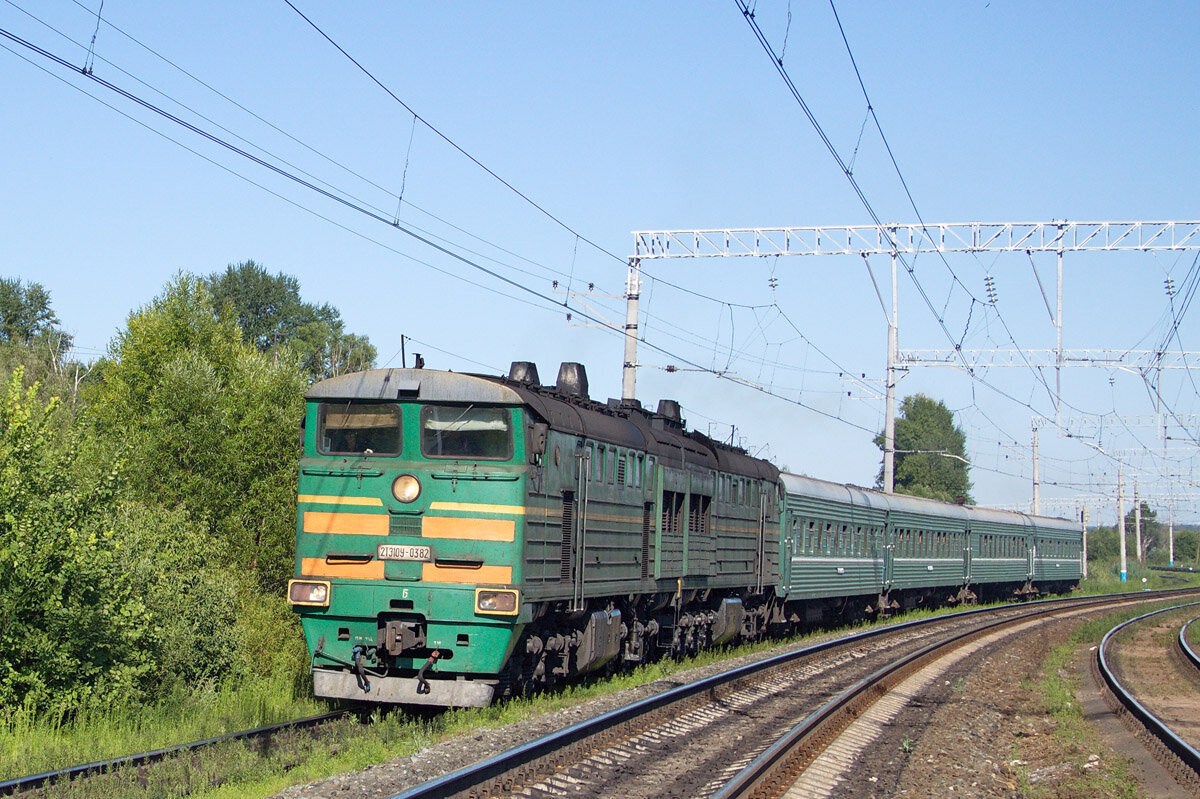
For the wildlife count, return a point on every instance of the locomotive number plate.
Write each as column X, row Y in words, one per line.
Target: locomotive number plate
column 403, row 552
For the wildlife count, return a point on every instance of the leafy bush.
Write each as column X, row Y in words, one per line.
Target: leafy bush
column 73, row 628
column 210, row 424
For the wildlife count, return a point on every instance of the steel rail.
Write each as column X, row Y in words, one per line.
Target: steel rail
column 9, row 787
column 773, row 771
column 1182, row 752
column 514, row 766
column 1186, row 648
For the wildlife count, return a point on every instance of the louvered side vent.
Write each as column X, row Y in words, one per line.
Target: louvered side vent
column 647, row 532
column 568, row 534
column 620, row 469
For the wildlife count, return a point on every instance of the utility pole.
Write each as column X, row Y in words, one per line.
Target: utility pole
column 1058, row 327
column 632, row 290
column 1037, row 505
column 1171, row 533
column 1121, row 521
column 1137, row 522
column 889, row 424
column 1084, row 517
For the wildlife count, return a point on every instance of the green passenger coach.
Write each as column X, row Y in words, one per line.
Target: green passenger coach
column 461, row 537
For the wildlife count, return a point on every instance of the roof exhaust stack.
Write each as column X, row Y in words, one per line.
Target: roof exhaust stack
column 670, row 409
column 524, row 372
column 572, row 380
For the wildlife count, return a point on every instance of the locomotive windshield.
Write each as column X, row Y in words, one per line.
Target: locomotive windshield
column 449, row 431
column 358, row 429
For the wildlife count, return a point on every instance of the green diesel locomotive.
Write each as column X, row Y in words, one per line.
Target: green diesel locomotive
column 463, row 536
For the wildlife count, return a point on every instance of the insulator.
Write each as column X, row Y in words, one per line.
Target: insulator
column 990, row 285
column 1170, row 286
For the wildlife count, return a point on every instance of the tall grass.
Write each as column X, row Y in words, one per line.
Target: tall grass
column 1104, row 577
column 31, row 743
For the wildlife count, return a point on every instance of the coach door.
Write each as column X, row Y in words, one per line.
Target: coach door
column 889, row 551
column 967, row 554
column 575, row 512
column 760, row 555
column 1031, row 554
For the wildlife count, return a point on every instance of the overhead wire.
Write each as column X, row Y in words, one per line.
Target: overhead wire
column 1037, row 372
column 351, row 171
column 913, row 203
column 555, row 307
column 324, row 156
column 445, row 137
column 283, row 173
column 265, row 188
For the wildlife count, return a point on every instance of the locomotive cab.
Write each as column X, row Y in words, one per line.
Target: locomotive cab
column 409, row 526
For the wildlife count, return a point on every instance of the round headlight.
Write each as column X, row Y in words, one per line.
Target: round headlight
column 406, row 488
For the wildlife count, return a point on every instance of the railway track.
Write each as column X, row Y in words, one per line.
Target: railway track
column 84, row 770
column 735, row 734
column 606, row 754
column 1167, row 729
column 1185, row 649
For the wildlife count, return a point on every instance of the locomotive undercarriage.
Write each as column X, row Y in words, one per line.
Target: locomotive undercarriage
column 619, row 633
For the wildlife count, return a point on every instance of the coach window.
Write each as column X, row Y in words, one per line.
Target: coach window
column 358, row 429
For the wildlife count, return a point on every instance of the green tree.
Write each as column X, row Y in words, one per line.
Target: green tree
column 25, row 313
column 31, row 338
column 1152, row 534
column 74, row 628
column 209, row 423
column 1104, row 544
column 930, row 459
column 274, row 319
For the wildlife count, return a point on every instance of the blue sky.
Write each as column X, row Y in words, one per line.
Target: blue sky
column 623, row 117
